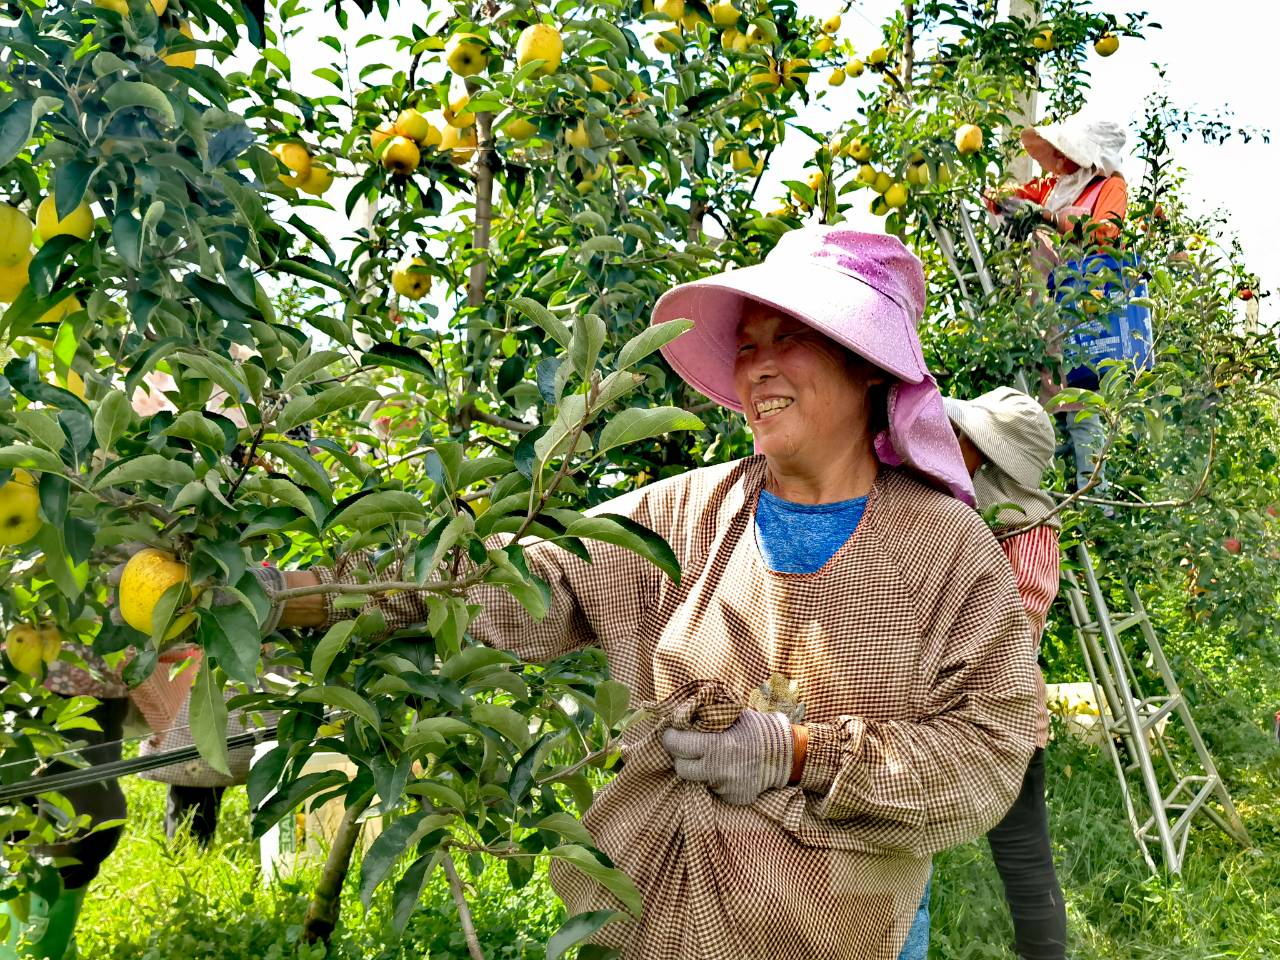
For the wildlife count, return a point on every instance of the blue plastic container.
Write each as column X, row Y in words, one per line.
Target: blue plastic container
column 1122, row 332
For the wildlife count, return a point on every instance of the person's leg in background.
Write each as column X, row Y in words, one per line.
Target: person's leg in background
column 1088, row 437
column 48, row 929
column 1024, row 858
column 200, row 804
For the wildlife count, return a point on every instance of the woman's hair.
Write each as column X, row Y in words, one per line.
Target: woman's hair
column 877, row 392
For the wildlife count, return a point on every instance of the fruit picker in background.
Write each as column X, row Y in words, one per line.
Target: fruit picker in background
column 195, row 788
column 841, row 684
column 1082, row 199
column 159, row 704
column 1008, row 444
column 74, row 669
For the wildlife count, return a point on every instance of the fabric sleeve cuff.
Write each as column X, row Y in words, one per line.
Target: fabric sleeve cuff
column 326, row 575
column 829, row 749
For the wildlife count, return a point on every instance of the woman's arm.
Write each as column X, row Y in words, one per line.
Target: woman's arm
column 919, row 786
column 589, row 602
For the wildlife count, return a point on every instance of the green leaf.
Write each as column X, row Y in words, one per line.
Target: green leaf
column 408, row 890
column 576, row 929
column 307, row 470
column 510, row 723
column 218, row 369
column 330, row 645
column 40, row 425
column 281, row 490
column 435, row 728
column 625, row 532
column 135, row 93
column 638, row 423
column 554, row 442
column 650, row 339
column 568, row 826
column 231, row 635
column 149, row 466
column 458, row 527
column 615, row 386
column 386, row 849
column 194, row 426
column 602, row 245
column 462, row 665
column 112, row 419
column 588, row 338
column 208, row 717
column 33, row 458
column 308, row 367
column 343, row 699
column 391, row 845
column 378, row 509
column 316, row 271
column 544, row 318
column 300, row 410
column 612, row 700
column 394, row 355
column 611, row 878
column 18, row 124
column 287, row 799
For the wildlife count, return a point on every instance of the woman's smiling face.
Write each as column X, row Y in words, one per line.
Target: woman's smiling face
column 801, row 391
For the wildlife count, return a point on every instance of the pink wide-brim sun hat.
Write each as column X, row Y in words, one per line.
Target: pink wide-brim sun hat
column 864, row 291
column 805, row 277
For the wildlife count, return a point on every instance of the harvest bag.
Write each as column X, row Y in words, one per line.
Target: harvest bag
column 1123, row 331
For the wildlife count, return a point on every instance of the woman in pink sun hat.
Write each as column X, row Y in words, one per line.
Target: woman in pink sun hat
column 840, row 684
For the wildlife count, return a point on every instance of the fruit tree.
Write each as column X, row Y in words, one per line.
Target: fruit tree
column 407, row 309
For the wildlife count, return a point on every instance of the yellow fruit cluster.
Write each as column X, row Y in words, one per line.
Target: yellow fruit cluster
column 16, row 234
column 304, row 174
column 28, row 647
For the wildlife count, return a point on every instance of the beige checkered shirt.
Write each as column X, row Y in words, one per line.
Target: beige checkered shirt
column 912, row 655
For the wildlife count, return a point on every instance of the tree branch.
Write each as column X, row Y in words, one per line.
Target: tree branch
column 493, row 420
column 464, row 911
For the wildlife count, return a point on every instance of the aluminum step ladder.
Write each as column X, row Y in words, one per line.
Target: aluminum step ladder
column 967, row 265
column 1161, row 800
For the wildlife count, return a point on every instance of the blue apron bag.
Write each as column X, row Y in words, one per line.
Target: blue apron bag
column 1119, row 330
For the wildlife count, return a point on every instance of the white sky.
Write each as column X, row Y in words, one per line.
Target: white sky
column 1223, row 61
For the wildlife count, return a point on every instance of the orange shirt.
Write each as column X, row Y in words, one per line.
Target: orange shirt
column 1108, row 210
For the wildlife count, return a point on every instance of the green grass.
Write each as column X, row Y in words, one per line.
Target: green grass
column 157, row 900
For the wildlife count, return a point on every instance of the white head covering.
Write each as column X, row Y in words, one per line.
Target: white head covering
column 1015, row 436
column 1095, row 145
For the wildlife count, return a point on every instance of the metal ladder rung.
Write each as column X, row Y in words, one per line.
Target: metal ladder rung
column 1127, row 621
column 1147, row 716
column 1149, row 720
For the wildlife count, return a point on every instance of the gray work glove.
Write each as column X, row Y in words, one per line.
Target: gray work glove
column 271, row 579
column 751, row 756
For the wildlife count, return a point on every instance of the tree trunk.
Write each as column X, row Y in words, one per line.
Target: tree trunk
column 1024, row 113
column 484, row 210
column 909, row 45
column 322, row 913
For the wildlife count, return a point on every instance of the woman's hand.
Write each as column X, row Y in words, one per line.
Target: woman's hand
column 740, row 763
